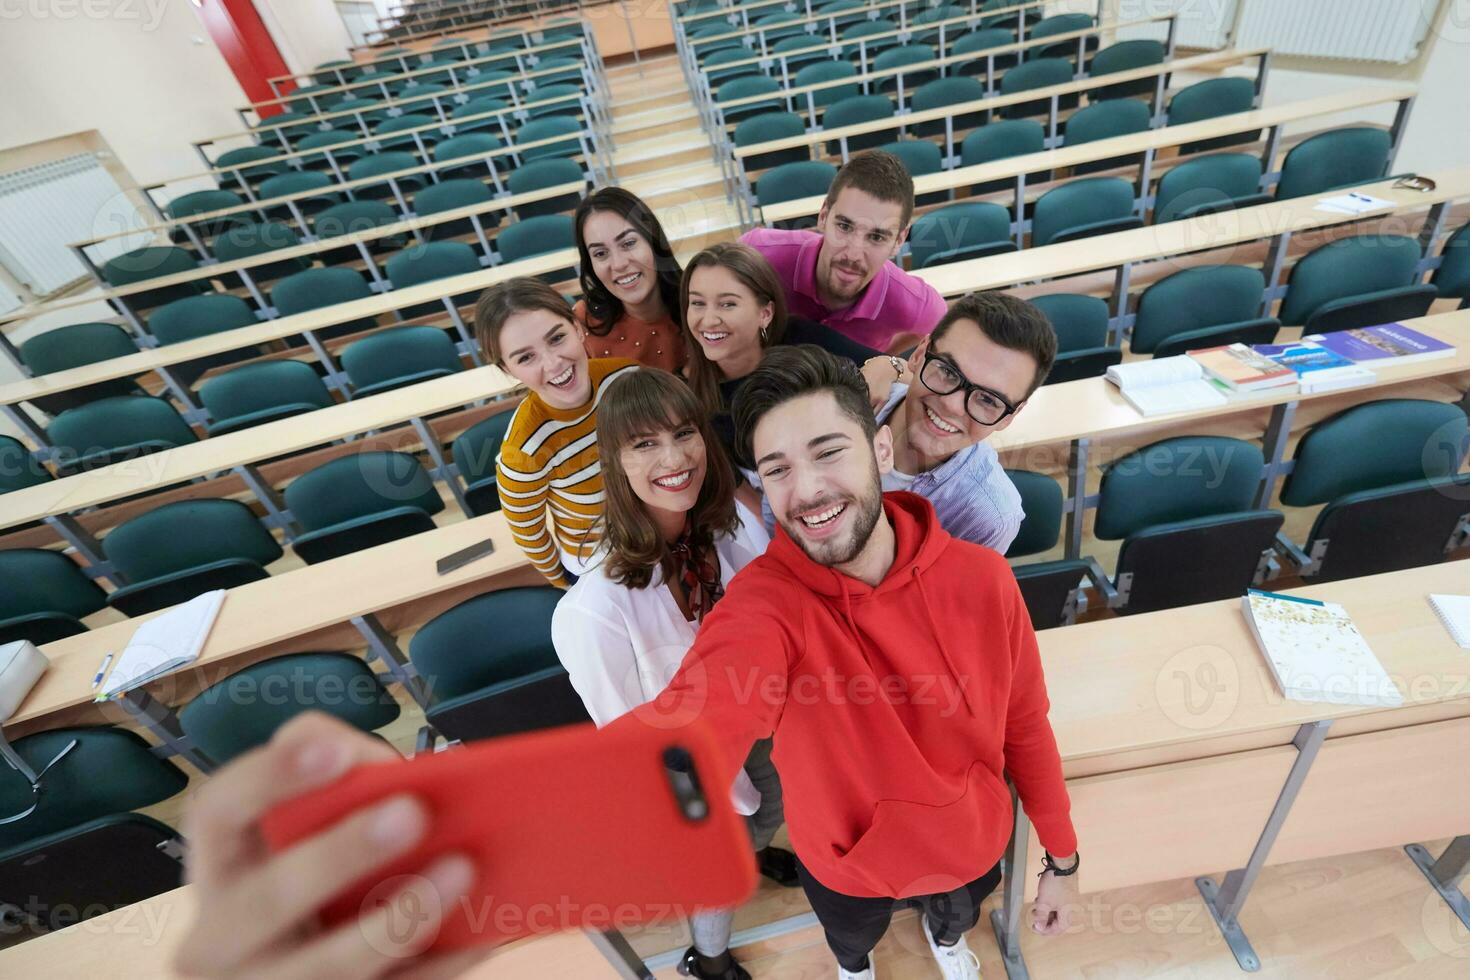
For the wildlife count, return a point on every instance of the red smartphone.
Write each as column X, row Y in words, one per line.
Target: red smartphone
column 568, row 828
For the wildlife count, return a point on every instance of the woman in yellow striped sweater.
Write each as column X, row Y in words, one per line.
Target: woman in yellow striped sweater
column 547, row 473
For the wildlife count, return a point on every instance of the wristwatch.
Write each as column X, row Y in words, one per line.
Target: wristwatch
column 897, row 363
column 1048, row 863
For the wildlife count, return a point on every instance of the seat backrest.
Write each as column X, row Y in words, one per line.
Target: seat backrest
column 1102, row 120
column 986, row 37
column 397, row 124
column 947, row 91
column 1376, row 445
column 116, row 423
column 1001, row 139
column 1061, row 24
column 475, row 107
column 466, row 145
column 109, row 771
column 740, row 88
column 827, row 71
column 253, row 238
column 435, row 260
column 360, row 485
column 793, row 180
column 187, row 534
column 351, row 217
column 149, row 262
column 1405, row 525
column 904, row 54
column 768, row 126
column 1177, row 479
column 449, row 194
column 251, row 388
column 381, row 163
column 314, row 288
column 1355, row 155
column 294, row 183
column 398, row 351
column 1125, row 55
column 487, row 640
column 1080, row 322
column 535, row 236
column 857, row 109
column 327, row 137
column 546, row 128
column 1205, row 180
column 544, row 173
column 18, row 467
column 199, row 202
column 199, row 316
column 1210, row 98
column 36, row 580
column 955, row 226
column 1036, row 73
column 918, row 157
column 475, row 449
column 1347, row 267
column 1041, row 502
column 1192, row 299
column 1206, row 559
column 75, row 345
column 1079, row 202
column 868, row 28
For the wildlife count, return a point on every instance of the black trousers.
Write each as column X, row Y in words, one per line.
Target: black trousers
column 855, row 925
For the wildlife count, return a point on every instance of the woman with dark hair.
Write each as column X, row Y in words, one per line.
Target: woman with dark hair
column 630, row 281
column 673, row 536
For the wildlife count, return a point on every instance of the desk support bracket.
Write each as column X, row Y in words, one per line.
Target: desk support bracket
column 1005, row 921
column 1226, row 899
column 1444, row 874
column 383, row 646
column 163, row 722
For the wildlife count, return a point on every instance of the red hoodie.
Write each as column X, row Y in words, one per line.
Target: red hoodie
column 896, row 710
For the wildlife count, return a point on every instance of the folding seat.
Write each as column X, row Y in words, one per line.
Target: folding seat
column 739, row 62
column 173, row 553
column 1215, row 182
column 242, row 712
column 1356, row 282
column 44, row 598
column 1052, row 589
column 1060, row 24
column 380, row 164
column 478, row 105
column 968, row 230
column 1081, row 325
column 900, row 57
column 791, row 181
column 1032, row 74
column 329, row 138
column 1105, row 120
column 978, row 43
column 250, row 154
column 870, row 38
column 392, row 133
column 62, row 348
column 542, row 174
column 1388, row 473
column 1083, row 208
column 425, row 263
column 254, row 394
column 934, row 15
column 448, row 195
column 559, row 100
column 153, row 262
column 1184, row 510
column 193, row 317
column 421, row 99
column 492, row 668
column 1210, row 99
column 317, row 288
column 954, row 90
column 1126, row 56
column 745, row 88
column 1340, row 158
column 547, row 128
column 360, row 501
column 398, row 357
column 816, row 74
column 250, row 239
column 1206, row 306
column 766, row 127
column 354, row 218
column 860, row 109
column 474, row 452
column 564, row 72
column 203, row 202
column 82, row 848
column 298, row 182
column 999, row 140
column 111, row 430
column 795, row 62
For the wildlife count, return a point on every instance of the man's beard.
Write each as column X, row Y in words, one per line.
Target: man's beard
column 840, row 551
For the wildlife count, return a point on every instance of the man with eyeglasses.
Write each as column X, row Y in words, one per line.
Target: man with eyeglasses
column 968, row 379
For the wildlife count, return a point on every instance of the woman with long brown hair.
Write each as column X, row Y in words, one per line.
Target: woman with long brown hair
column 673, row 535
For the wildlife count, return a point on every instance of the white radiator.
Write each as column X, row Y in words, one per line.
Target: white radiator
column 1352, row 30
column 1200, row 23
column 43, row 208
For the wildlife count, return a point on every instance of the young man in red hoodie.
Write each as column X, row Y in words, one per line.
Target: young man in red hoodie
column 896, row 668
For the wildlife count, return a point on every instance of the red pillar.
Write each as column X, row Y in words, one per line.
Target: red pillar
column 248, row 47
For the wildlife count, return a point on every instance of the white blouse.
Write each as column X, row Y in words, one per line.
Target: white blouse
column 622, row 646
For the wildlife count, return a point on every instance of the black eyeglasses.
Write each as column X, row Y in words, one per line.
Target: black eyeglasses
column 984, row 405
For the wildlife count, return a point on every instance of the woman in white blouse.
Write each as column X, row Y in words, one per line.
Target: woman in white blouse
column 674, row 537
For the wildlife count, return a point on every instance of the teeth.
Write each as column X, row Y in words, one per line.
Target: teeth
column 562, row 378
column 628, row 280
column 939, row 423
column 674, row 482
column 817, row 520
column 714, row 338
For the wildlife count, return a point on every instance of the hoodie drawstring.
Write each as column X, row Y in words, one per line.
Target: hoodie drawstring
column 939, row 639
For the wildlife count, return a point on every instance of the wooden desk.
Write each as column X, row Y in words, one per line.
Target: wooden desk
column 1132, row 144
column 748, row 27
column 140, row 941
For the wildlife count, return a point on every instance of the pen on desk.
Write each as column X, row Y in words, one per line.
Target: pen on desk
column 1360, row 197
column 101, row 671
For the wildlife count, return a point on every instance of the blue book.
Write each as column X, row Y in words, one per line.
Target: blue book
column 1317, row 368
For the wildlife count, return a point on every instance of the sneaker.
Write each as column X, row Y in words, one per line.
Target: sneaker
column 956, row 962
column 689, row 967
column 867, row 974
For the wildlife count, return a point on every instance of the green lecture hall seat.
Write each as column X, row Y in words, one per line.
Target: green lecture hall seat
column 1205, row 306
column 863, row 38
column 823, row 71
column 152, row 262
column 530, row 237
column 794, row 62
column 19, row 468
column 201, row 316
column 353, row 218
column 1204, row 184
column 1126, row 56
column 1083, row 208
column 1081, row 325
column 1402, row 505
column 979, row 43
column 381, row 164
column 303, row 182
column 1452, row 279
column 360, row 501
column 45, row 596
column 474, row 452
column 794, row 180
column 254, row 394
column 947, row 92
column 1032, row 74
column 203, row 202
column 745, row 88
column 968, row 230
column 316, row 288
column 326, row 139
column 901, row 57
column 1339, row 158
column 1356, row 282
column 1210, row 99
column 397, row 357
column 425, row 263
column 370, row 111
column 1105, row 120
column 467, row 145
column 82, row 848
column 548, row 128
column 939, row 36
column 492, row 668
column 1184, row 511
column 183, row 549
column 250, row 239
column 860, row 109
column 1060, row 24
column 72, row 346
column 231, row 717
column 114, row 429
column 447, row 195
column 997, row 141
column 718, row 74
column 766, row 127
column 250, row 154
column 392, row 133
column 417, row 98
column 475, row 107
column 919, row 157
column 538, row 175
column 1049, row 588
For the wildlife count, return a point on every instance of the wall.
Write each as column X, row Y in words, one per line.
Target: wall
column 308, row 32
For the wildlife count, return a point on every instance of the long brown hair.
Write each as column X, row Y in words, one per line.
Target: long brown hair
column 756, row 274
column 644, row 401
column 604, row 309
column 505, row 299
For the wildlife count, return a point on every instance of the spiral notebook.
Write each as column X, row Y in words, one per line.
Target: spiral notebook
column 1454, row 612
column 164, row 643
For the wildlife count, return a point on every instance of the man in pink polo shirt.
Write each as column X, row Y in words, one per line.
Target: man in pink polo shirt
column 842, row 274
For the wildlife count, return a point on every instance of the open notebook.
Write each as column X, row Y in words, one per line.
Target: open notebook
column 164, row 643
column 1165, row 385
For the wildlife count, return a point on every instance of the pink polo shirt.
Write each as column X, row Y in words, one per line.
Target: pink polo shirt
column 893, row 303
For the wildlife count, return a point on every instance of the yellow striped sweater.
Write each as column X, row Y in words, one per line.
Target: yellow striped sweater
column 548, row 462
